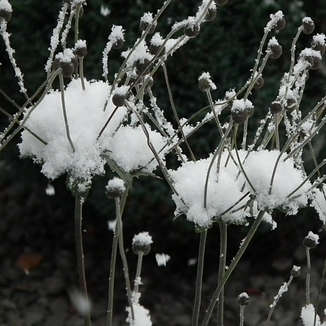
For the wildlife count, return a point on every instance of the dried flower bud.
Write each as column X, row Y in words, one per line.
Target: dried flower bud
column 210, row 14
column 312, row 56
column 221, row 2
column 205, row 83
column 68, row 69
column 147, row 20
column 280, row 24
column 154, row 49
column 119, row 99
column 5, row 14
column 192, row 30
column 295, row 271
column 308, row 25
column 118, row 43
column 241, row 110
column 141, row 243
column 276, row 107
column 311, row 240
column 290, row 104
column 80, row 49
column 243, row 299
column 115, row 188
column 318, row 43
column 275, row 48
column 142, row 65
column 259, row 82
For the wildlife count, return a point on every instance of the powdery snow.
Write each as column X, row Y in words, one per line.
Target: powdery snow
column 142, row 238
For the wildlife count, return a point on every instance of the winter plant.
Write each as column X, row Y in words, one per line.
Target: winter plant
column 80, row 128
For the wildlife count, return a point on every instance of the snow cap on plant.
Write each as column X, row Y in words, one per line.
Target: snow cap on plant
column 147, row 20
column 295, row 271
column 117, row 37
column 243, row 299
column 318, row 43
column 141, row 242
column 115, row 188
column 5, row 10
column 308, row 25
column 277, row 22
column 275, row 48
column 241, row 110
column 156, row 43
column 205, row 82
column 311, row 240
column 80, row 48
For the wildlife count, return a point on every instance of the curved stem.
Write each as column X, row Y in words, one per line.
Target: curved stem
column 79, row 201
column 232, row 266
column 199, row 278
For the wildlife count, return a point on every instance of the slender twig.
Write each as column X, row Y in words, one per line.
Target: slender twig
column 308, row 276
column 199, row 278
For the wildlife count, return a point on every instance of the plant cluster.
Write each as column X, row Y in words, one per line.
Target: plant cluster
column 81, row 127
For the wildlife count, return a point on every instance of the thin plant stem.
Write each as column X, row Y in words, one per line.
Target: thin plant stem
column 79, row 201
column 81, row 72
column 241, row 315
column 283, row 289
column 123, row 256
column 232, row 266
column 138, row 271
column 221, row 271
column 65, row 112
column 319, row 290
column 308, row 276
column 199, row 278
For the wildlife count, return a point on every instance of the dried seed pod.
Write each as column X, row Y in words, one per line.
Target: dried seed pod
column 144, row 25
column 119, row 99
column 276, row 50
column 155, row 48
column 115, row 188
column 314, row 61
column 308, row 25
column 141, row 243
column 243, row 299
column 259, row 82
column 5, row 14
column 210, row 14
column 239, row 116
column 276, row 107
column 295, row 271
column 310, row 241
column 280, row 24
column 318, row 43
column 68, row 68
column 221, row 2
column 80, row 49
column 192, row 30
column 118, row 43
column 142, row 65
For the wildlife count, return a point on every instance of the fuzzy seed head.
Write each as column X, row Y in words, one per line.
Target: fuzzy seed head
column 308, row 25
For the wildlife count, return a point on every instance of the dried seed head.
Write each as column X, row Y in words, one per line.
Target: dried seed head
column 290, row 104
column 115, row 188
column 280, row 24
column 318, row 43
column 118, row 43
column 142, row 65
column 68, row 68
column 119, row 99
column 308, row 25
column 80, row 49
column 243, row 299
column 241, row 110
column 221, row 2
column 311, row 240
column 146, row 21
column 295, row 271
column 154, row 49
column 211, row 14
column 259, row 82
column 205, row 83
column 312, row 56
column 276, row 50
column 276, row 107
column 192, row 30
column 5, row 14
column 141, row 243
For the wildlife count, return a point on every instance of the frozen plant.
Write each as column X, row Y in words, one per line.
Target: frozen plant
column 83, row 127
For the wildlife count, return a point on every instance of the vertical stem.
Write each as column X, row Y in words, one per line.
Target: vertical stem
column 113, row 260
column 241, row 315
column 123, row 256
column 232, row 266
column 221, row 271
column 308, row 276
column 138, row 271
column 79, row 200
column 199, row 278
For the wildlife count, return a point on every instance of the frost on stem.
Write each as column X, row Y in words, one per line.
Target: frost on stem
column 309, row 317
column 142, row 317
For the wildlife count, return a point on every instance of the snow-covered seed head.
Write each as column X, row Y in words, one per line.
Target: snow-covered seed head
column 275, row 48
column 115, row 188
column 5, row 14
column 313, row 57
column 146, row 21
column 155, row 48
column 318, row 43
column 192, row 30
column 241, row 110
column 311, row 240
column 259, row 82
column 141, row 243
column 205, row 83
column 295, row 271
column 211, row 14
column 290, row 104
column 243, row 299
column 239, row 116
column 221, row 2
column 118, row 43
column 80, row 49
column 67, row 62
column 308, row 25
column 280, row 24
column 276, row 107
column 68, row 68
column 142, row 65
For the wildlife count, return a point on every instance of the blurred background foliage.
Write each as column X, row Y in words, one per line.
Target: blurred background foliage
column 225, row 47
